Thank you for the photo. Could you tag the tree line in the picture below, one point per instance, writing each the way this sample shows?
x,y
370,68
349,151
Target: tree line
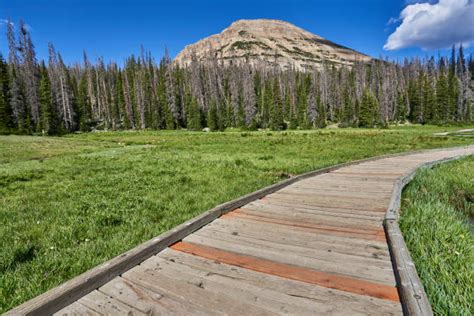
x,y
51,98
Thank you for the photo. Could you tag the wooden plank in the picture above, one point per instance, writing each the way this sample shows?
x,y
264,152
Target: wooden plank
x,y
107,305
374,215
338,213
270,204
322,298
312,219
380,165
376,169
368,174
350,246
344,179
292,272
345,183
76,309
359,204
270,300
292,233
322,228
147,301
376,200
212,303
363,178
337,191
327,204
341,268
296,249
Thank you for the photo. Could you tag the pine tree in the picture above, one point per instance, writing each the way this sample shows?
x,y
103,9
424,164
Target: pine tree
x,y
321,117
442,113
402,109
348,112
193,115
453,87
287,106
429,99
276,111
162,103
83,106
50,122
6,112
212,117
223,120
240,115
293,119
267,103
368,110
29,74
302,101
120,101
415,101
16,95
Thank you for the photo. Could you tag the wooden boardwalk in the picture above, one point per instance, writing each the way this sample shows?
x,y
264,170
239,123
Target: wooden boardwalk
x,y
317,246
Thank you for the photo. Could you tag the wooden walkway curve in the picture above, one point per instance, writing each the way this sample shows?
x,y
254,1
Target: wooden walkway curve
x,y
315,246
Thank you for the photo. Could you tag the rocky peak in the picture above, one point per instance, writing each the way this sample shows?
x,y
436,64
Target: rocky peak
x,y
269,42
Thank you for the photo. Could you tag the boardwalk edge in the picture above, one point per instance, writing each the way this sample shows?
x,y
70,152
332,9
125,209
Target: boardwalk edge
x,y
412,294
70,291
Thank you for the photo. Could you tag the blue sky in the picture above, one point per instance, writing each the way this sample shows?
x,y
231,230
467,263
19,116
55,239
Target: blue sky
x,y
116,29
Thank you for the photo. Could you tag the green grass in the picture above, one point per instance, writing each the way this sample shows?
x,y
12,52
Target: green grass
x,y
435,223
70,203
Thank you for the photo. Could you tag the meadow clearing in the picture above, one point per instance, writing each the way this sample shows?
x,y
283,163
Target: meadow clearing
x,y
69,203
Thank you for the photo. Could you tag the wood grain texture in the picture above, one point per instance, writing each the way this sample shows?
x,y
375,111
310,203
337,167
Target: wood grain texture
x,y
268,299
191,292
370,234
147,301
378,273
76,309
302,238
322,298
291,272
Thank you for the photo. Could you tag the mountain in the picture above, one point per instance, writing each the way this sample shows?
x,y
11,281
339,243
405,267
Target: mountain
x,y
269,42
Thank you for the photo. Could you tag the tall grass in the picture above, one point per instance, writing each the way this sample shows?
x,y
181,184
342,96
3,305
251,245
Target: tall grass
x,y
435,223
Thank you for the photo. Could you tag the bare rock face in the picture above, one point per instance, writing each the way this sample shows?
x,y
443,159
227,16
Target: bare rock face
x,y
265,42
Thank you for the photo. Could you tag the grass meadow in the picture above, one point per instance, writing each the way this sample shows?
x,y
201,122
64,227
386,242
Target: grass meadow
x,y
436,209
70,203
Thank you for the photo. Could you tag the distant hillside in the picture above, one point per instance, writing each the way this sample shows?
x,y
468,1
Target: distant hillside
x,y
262,41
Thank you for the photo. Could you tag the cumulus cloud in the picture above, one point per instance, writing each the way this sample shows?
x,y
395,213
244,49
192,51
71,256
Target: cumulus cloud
x,y
434,26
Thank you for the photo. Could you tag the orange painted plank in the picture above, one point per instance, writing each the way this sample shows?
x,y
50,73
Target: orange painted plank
x,y
302,274
371,234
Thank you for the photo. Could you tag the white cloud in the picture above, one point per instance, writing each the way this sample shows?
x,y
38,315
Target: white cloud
x,y
434,26
393,21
